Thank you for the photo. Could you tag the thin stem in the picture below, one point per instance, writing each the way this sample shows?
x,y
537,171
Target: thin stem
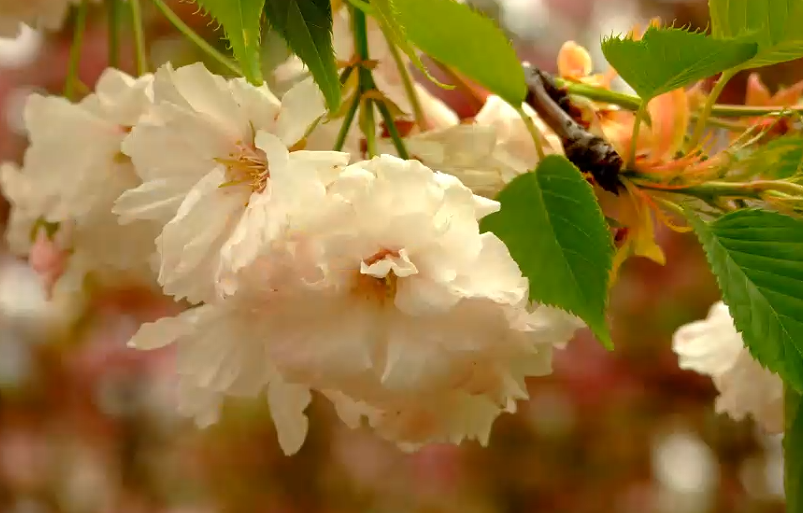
x,y
748,190
362,5
534,133
697,135
600,94
367,121
76,49
739,111
347,122
193,36
139,37
632,102
671,205
640,113
407,82
733,126
368,125
398,143
114,33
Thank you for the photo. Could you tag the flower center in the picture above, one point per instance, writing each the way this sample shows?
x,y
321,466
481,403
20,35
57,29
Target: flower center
x,y
371,288
246,165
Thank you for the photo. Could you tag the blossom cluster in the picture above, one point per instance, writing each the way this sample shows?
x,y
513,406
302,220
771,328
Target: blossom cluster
x,y
367,281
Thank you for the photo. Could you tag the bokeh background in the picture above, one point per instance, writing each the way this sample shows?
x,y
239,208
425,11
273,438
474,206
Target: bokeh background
x,y
88,426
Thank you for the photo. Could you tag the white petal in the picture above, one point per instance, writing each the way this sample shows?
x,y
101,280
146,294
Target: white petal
x,y
162,333
287,404
156,200
301,106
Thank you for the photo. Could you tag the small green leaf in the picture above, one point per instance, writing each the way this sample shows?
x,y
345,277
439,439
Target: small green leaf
x,y
778,159
793,451
306,26
669,58
464,39
773,24
554,228
240,22
757,257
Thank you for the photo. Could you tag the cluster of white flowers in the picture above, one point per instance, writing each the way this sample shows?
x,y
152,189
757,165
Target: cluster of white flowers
x,y
367,281
714,348
45,14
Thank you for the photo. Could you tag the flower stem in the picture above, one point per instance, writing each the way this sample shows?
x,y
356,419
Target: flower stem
x,y
367,122
139,37
631,102
114,33
534,133
744,190
697,135
739,111
76,49
600,94
347,122
366,84
640,113
362,5
193,36
368,126
407,82
398,143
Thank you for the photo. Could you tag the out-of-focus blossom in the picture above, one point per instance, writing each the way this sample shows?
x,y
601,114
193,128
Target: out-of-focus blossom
x,y
713,347
21,50
45,14
73,172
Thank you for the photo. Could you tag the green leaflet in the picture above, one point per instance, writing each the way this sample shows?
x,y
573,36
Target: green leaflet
x,y
779,158
668,58
306,26
456,35
554,228
240,22
757,257
774,24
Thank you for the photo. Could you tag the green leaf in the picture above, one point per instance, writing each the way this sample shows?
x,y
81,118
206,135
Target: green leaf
x,y
386,15
757,257
306,26
464,39
554,228
793,451
669,58
240,22
778,159
773,24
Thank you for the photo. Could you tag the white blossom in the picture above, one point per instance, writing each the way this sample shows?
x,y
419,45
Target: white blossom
x,y
714,348
72,173
393,305
219,173
44,14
